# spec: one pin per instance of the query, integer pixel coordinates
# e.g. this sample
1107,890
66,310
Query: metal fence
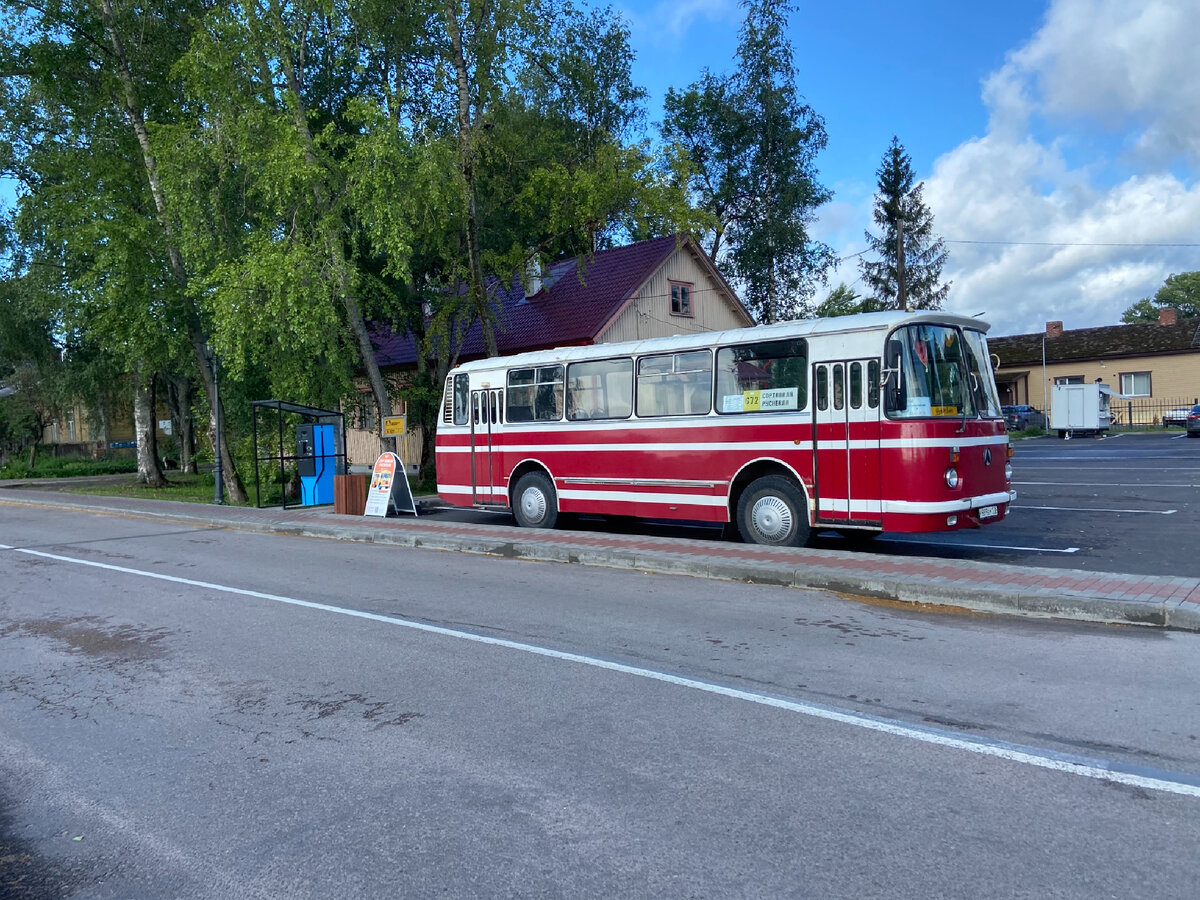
1147,412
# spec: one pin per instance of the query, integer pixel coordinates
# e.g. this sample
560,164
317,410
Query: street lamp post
218,482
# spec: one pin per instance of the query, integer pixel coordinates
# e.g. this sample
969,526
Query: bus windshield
942,372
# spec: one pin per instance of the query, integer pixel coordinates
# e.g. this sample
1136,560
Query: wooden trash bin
349,494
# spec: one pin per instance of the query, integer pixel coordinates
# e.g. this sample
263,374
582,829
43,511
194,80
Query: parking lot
1125,503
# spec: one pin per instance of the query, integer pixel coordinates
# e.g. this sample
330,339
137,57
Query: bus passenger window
600,389
856,385
822,387
675,384
535,394
873,384
839,386
770,376
462,399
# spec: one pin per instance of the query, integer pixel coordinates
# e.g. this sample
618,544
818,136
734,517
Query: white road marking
945,544
1023,462
1116,484
1152,512
1099,769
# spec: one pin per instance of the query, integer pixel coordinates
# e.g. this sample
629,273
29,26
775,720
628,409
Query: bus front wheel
535,504
773,511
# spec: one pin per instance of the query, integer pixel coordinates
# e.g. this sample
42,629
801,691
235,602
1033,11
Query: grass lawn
188,488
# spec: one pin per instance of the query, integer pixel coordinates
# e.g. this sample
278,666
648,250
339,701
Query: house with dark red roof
654,288
1155,366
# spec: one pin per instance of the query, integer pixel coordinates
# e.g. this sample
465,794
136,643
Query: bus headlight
952,478
1008,471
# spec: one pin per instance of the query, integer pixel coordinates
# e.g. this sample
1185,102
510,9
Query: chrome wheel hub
533,504
772,518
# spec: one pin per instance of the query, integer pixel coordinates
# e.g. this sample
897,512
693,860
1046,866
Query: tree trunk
466,164
149,472
337,261
233,484
901,277
180,390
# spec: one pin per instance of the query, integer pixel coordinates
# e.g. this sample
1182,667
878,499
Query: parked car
1022,416
1193,422
1177,416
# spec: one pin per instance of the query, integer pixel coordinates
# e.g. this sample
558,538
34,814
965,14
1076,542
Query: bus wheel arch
769,504
533,500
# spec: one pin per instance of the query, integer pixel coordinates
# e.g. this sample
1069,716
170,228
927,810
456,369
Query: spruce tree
908,273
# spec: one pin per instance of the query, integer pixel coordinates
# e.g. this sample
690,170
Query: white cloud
666,23
1110,74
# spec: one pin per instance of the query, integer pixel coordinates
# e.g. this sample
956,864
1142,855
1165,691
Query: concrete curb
1144,600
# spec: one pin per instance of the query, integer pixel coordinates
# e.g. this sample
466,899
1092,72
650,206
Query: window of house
675,384
1135,384
366,411
1068,379
600,389
681,299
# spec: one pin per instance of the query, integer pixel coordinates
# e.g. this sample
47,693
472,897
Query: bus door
487,477
846,442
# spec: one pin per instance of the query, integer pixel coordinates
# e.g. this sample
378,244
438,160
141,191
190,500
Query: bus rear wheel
535,503
773,511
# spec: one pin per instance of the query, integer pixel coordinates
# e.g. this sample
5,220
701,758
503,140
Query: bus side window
462,399
822,387
839,386
675,384
856,386
873,384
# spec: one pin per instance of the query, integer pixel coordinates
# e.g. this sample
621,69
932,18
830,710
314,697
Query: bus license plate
989,512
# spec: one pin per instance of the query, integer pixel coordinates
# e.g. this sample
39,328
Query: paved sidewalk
1164,602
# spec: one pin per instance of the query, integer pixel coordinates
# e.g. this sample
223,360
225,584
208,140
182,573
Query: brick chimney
1168,316
1053,329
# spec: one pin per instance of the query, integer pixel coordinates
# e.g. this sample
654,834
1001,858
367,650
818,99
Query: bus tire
773,511
535,503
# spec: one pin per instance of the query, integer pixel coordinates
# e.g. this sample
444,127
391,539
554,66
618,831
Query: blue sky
1069,123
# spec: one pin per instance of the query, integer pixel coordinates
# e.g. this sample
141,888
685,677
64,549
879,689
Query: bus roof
861,322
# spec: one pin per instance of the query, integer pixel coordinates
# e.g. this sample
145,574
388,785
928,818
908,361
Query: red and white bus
876,422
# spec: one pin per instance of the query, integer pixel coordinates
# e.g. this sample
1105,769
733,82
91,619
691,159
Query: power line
1069,244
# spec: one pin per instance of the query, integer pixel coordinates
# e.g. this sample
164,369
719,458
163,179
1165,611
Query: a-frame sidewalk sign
389,491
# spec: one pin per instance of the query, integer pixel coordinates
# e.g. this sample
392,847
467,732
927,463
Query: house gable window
1135,384
681,299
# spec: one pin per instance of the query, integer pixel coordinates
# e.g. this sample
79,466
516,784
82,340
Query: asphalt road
199,713
1128,503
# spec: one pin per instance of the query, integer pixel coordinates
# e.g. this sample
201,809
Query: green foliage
752,144
65,467
908,272
1179,292
842,301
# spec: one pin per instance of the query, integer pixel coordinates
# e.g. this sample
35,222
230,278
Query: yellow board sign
394,425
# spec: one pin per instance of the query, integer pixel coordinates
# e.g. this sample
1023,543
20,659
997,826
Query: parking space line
1152,512
1117,484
